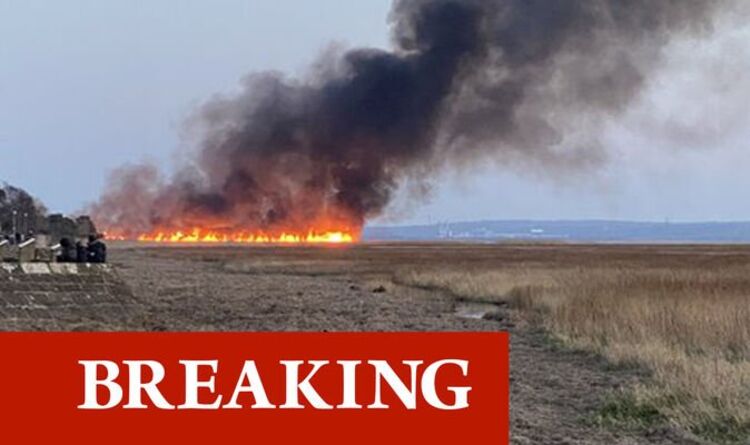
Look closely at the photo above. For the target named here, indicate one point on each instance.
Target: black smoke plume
(517, 81)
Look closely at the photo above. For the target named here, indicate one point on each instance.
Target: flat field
(610, 343)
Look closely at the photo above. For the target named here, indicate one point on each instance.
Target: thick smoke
(520, 81)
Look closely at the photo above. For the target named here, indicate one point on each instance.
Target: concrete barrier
(44, 254)
(66, 297)
(27, 251)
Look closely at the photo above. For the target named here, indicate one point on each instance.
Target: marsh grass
(689, 326)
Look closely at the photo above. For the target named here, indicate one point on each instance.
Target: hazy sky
(86, 86)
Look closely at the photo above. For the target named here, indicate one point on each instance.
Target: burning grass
(689, 325)
(205, 236)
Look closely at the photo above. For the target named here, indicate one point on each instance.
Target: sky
(87, 86)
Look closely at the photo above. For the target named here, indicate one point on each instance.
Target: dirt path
(552, 390)
(556, 392)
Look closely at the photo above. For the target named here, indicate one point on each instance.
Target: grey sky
(86, 86)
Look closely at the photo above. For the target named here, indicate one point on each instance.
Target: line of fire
(28, 233)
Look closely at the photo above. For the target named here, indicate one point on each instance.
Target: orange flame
(198, 235)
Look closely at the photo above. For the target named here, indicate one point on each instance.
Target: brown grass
(689, 324)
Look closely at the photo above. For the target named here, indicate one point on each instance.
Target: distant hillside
(573, 231)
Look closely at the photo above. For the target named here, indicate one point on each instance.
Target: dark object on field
(81, 252)
(97, 250)
(379, 290)
(494, 316)
(67, 254)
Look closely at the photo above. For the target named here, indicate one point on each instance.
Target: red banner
(364, 388)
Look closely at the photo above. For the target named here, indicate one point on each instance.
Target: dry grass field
(684, 317)
(610, 344)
